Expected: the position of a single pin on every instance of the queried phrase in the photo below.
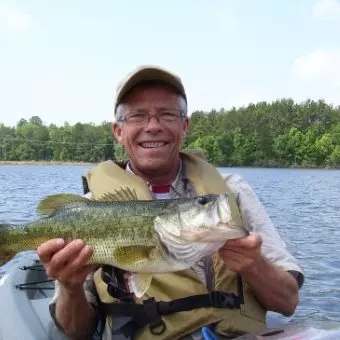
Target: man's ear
(186, 125)
(117, 131)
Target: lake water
(304, 205)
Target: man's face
(152, 146)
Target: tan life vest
(250, 317)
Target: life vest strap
(151, 311)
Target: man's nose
(153, 122)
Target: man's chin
(152, 167)
(153, 164)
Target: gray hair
(121, 108)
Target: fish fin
(139, 283)
(132, 254)
(6, 253)
(123, 194)
(51, 203)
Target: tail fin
(6, 250)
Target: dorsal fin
(123, 194)
(51, 203)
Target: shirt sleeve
(89, 290)
(256, 219)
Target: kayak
(26, 291)
(295, 331)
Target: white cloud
(327, 10)
(321, 66)
(14, 19)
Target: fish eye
(202, 200)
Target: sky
(62, 60)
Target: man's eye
(137, 116)
(168, 116)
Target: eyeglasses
(163, 117)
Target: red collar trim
(160, 189)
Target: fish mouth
(188, 237)
(153, 145)
(212, 225)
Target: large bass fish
(142, 237)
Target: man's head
(151, 121)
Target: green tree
(334, 158)
(324, 147)
(279, 133)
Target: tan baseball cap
(145, 73)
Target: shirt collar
(174, 183)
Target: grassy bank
(44, 163)
(68, 163)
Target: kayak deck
(25, 293)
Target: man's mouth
(151, 145)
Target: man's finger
(78, 263)
(65, 256)
(229, 255)
(250, 241)
(234, 252)
(47, 249)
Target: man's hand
(240, 255)
(274, 287)
(66, 262)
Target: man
(257, 271)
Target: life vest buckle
(152, 312)
(157, 328)
(224, 300)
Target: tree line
(282, 133)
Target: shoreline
(73, 163)
(45, 163)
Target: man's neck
(158, 177)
